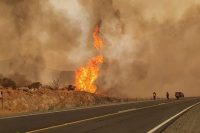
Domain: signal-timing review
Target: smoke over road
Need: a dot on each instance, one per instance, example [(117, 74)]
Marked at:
[(149, 46)]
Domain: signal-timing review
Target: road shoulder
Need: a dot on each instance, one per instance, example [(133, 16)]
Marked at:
[(187, 123)]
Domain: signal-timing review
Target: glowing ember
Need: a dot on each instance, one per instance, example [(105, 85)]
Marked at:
[(85, 77)]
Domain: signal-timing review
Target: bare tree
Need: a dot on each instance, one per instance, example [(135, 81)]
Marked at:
[(55, 84)]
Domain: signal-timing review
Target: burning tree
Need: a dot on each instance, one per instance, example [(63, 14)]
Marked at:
[(86, 76)]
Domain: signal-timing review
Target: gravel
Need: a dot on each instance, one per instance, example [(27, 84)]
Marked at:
[(187, 123)]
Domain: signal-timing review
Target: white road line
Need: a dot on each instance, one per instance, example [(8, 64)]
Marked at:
[(170, 119), (134, 109), (128, 110), (98, 117), (80, 108)]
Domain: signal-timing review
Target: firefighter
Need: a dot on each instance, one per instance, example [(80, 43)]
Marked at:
[(1, 98), (154, 95), (1, 95), (167, 95)]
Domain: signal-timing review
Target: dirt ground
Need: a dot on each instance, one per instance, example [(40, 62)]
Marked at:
[(40, 100), (187, 123)]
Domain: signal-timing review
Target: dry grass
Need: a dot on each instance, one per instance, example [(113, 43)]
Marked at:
[(39, 100)]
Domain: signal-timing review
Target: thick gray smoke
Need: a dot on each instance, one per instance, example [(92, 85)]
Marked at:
[(149, 45)]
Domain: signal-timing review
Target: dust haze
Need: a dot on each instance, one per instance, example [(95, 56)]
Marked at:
[(149, 45), (34, 40)]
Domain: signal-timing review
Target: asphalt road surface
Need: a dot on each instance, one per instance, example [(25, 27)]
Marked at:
[(133, 117)]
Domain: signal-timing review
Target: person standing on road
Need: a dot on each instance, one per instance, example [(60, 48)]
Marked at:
[(1, 98), (154, 95), (167, 95)]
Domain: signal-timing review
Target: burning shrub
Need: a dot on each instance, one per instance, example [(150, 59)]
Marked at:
[(35, 85), (6, 82)]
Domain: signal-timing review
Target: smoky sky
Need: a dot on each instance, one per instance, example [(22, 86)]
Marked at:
[(33, 38), (149, 45)]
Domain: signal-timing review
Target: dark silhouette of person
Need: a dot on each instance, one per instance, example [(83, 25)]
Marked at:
[(1, 95), (154, 95), (1, 98), (167, 95)]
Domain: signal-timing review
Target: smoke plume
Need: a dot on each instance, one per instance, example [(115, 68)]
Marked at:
[(149, 45), (34, 38)]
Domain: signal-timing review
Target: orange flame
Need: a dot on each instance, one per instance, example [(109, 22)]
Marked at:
[(85, 77), (98, 43)]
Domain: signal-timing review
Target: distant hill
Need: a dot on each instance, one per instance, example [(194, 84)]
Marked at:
[(47, 75), (64, 77)]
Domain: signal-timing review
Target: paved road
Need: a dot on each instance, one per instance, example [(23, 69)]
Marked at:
[(121, 118)]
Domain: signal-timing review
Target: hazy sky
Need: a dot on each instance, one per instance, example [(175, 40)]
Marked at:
[(149, 45)]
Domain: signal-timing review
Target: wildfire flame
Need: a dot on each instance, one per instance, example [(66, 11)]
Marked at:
[(86, 76), (98, 42)]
